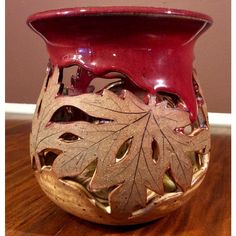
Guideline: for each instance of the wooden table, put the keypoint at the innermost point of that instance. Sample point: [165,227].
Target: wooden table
[30,212]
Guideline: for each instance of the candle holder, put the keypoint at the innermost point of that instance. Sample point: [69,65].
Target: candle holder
[137,148]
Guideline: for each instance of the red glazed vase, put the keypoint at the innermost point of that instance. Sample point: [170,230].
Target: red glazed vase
[137,148]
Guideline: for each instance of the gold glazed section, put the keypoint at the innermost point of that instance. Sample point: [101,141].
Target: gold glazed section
[74,199]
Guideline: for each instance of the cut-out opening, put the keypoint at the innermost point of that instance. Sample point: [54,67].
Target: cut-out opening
[69,137]
[199,98]
[47,157]
[85,177]
[74,80]
[61,75]
[188,129]
[39,108]
[155,151]
[169,183]
[98,84]
[173,101]
[66,114]
[98,197]
[202,119]
[195,160]
[116,87]
[116,82]
[120,85]
[199,155]
[124,150]
[193,128]
[71,113]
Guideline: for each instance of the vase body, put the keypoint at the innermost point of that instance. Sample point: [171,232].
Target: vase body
[138,147]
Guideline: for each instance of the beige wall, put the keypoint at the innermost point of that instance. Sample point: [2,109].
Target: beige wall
[26,56]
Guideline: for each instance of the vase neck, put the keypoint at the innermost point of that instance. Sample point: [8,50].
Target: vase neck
[155,51]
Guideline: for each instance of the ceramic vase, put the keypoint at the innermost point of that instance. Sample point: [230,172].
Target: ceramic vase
[138,147]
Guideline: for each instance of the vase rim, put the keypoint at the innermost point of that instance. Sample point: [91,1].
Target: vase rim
[120,10]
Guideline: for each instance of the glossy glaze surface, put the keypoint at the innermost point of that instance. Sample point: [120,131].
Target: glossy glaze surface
[153,47]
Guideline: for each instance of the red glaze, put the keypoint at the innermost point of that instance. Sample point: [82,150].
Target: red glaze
[152,46]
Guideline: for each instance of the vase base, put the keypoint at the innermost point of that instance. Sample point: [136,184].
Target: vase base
[74,199]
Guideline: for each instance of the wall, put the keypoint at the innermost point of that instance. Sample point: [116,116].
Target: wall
[26,57]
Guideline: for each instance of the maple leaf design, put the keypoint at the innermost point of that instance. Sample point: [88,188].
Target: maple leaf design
[128,122]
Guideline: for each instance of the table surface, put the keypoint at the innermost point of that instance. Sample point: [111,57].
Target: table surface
[30,212]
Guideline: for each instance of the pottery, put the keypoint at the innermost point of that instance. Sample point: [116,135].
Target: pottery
[137,148]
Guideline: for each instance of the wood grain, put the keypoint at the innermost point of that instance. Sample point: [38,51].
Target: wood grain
[30,212]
